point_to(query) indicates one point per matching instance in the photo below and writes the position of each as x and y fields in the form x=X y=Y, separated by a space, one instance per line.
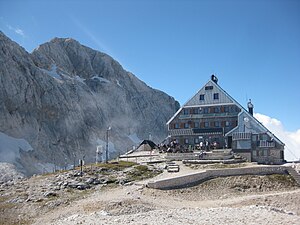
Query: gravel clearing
x=220 y=215
x=139 y=205
x=52 y=199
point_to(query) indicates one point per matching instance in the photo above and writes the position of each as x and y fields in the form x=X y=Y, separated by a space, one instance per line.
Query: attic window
x=201 y=98
x=216 y=95
x=209 y=87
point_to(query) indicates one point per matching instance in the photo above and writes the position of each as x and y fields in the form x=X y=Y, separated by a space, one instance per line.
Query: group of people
x=175 y=147
x=206 y=145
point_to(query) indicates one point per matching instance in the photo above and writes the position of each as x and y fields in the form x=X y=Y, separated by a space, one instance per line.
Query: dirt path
x=138 y=205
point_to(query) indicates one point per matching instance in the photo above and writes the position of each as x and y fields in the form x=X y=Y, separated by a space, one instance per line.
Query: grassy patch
x=4 y=205
x=141 y=172
x=282 y=179
x=114 y=165
x=7 y=213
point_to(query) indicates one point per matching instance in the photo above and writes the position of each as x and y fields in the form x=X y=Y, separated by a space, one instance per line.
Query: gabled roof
x=151 y=143
x=224 y=98
x=212 y=88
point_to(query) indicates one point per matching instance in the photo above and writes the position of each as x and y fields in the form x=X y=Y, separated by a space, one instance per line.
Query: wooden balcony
x=207 y=115
x=266 y=144
x=241 y=136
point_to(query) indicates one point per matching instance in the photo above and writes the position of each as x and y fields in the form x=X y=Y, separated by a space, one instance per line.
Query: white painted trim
x=200 y=106
x=173 y=117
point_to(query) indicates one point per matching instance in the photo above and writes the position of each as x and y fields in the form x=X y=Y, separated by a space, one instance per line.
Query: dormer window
x=216 y=96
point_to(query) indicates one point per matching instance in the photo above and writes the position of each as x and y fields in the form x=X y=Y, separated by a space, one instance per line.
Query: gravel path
x=220 y=215
x=138 y=205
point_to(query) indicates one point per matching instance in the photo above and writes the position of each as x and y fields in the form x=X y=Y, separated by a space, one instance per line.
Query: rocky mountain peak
x=59 y=101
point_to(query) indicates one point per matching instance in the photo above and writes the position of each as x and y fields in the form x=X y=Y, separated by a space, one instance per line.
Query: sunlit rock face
x=61 y=98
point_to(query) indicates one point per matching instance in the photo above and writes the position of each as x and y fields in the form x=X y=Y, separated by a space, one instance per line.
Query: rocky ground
x=114 y=194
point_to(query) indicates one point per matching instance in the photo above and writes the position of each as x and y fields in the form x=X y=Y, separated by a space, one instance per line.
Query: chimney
x=250 y=107
x=214 y=78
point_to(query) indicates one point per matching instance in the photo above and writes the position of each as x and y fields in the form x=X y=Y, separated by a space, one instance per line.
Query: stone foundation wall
x=196 y=178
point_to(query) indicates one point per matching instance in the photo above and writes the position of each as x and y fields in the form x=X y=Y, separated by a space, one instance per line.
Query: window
x=196 y=110
x=206 y=124
x=205 y=110
x=216 y=96
x=209 y=87
x=217 y=109
x=201 y=97
x=186 y=125
x=196 y=124
x=264 y=137
x=185 y=111
x=186 y=141
x=196 y=140
x=176 y=125
x=217 y=123
x=226 y=109
x=227 y=124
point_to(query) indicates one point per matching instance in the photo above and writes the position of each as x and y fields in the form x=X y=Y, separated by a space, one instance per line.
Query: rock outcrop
x=62 y=97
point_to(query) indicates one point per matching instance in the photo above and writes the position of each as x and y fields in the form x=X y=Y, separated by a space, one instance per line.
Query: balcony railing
x=266 y=144
x=241 y=136
x=180 y=132
x=204 y=115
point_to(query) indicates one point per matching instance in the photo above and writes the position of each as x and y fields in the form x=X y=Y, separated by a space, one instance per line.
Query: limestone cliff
x=60 y=99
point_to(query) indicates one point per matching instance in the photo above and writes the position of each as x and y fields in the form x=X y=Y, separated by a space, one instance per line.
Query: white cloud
x=16 y=30
x=19 y=31
x=290 y=138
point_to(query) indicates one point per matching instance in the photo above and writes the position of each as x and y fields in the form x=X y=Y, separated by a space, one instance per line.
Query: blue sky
x=252 y=46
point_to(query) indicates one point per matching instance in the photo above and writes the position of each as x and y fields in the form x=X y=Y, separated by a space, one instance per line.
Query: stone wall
x=198 y=177
x=213 y=155
x=246 y=155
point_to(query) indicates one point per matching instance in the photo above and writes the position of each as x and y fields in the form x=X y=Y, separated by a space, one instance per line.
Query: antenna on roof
x=214 y=78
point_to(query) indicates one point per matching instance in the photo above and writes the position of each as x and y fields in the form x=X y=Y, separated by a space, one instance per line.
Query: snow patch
x=118 y=83
x=79 y=79
x=52 y=72
x=10 y=148
x=134 y=138
x=101 y=79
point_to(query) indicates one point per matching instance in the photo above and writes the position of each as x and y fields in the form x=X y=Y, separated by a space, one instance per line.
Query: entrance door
x=229 y=141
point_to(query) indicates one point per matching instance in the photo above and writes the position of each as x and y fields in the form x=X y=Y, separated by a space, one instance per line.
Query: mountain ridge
x=62 y=97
